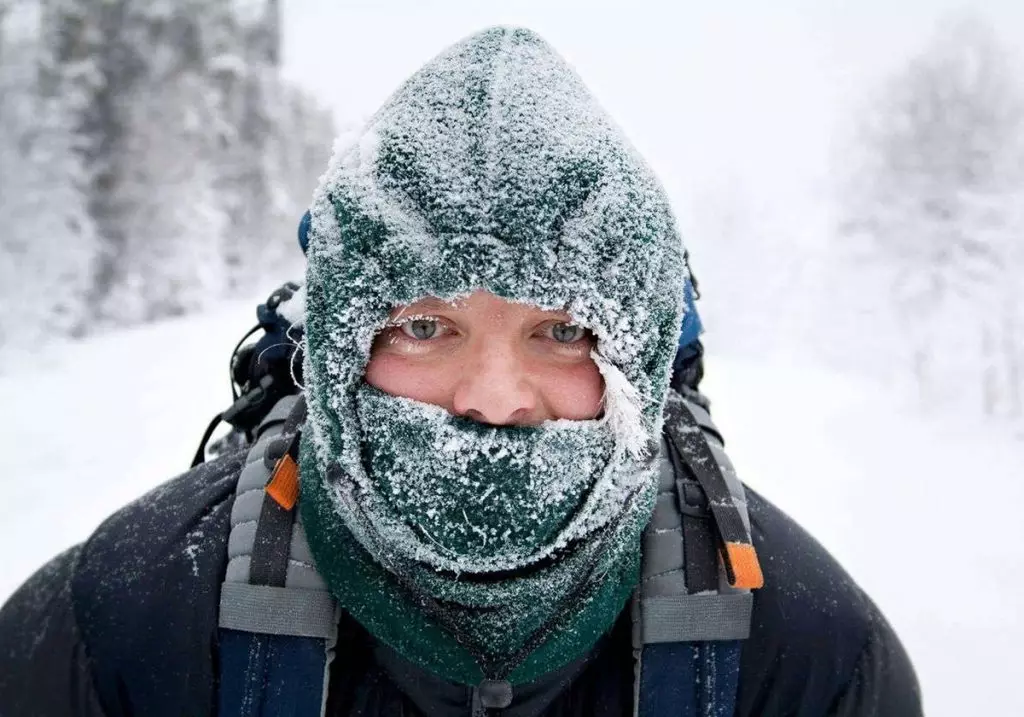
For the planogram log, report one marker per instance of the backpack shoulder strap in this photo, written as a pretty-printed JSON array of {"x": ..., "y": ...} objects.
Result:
[
  {"x": 705, "y": 462},
  {"x": 277, "y": 622},
  {"x": 693, "y": 607}
]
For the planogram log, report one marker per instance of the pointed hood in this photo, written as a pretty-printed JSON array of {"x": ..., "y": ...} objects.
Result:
[{"x": 494, "y": 168}]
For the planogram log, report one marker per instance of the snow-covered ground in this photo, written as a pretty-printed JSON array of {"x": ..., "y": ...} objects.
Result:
[{"x": 922, "y": 510}]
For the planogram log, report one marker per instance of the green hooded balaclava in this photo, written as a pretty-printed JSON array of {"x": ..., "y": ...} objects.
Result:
[{"x": 480, "y": 551}]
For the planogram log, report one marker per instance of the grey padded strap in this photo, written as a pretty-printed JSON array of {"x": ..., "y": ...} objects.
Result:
[
  {"x": 302, "y": 607},
  {"x": 277, "y": 611},
  {"x": 696, "y": 617},
  {"x": 249, "y": 495}
]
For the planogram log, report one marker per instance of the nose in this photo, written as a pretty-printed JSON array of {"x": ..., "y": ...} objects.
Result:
[{"x": 495, "y": 389}]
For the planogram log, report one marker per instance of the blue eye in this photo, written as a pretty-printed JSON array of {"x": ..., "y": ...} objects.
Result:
[
  {"x": 567, "y": 333},
  {"x": 421, "y": 329}
]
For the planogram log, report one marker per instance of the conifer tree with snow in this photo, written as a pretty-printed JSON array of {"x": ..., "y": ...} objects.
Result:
[
  {"x": 48, "y": 242},
  {"x": 153, "y": 158}
]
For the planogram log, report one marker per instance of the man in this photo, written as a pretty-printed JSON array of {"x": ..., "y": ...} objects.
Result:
[{"x": 494, "y": 506}]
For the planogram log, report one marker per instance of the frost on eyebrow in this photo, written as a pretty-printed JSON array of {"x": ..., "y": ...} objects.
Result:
[
  {"x": 430, "y": 307},
  {"x": 403, "y": 319},
  {"x": 430, "y": 303}
]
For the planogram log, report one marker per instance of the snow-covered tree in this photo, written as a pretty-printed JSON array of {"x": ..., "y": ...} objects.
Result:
[
  {"x": 151, "y": 159},
  {"x": 47, "y": 235},
  {"x": 170, "y": 261},
  {"x": 936, "y": 191}
]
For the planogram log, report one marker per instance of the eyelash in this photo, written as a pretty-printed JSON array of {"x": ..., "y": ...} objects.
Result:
[
  {"x": 398, "y": 323},
  {"x": 549, "y": 328}
]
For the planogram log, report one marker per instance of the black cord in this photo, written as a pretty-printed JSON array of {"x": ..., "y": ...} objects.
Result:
[
  {"x": 200, "y": 456},
  {"x": 231, "y": 361}
]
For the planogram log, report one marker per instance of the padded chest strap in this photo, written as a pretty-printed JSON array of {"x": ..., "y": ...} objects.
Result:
[{"x": 278, "y": 622}]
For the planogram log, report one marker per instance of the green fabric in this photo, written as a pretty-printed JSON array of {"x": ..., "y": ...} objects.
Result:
[
  {"x": 491, "y": 168},
  {"x": 489, "y": 498},
  {"x": 481, "y": 645}
]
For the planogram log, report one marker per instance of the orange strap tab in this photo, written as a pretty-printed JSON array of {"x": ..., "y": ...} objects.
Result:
[
  {"x": 746, "y": 568},
  {"x": 283, "y": 486}
]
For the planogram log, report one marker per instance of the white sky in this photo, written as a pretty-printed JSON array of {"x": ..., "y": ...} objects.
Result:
[{"x": 747, "y": 95}]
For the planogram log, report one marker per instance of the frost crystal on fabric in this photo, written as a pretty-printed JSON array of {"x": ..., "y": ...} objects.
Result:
[
  {"x": 492, "y": 168},
  {"x": 477, "y": 498}
]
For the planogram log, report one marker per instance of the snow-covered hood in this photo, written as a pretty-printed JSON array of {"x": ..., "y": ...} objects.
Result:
[{"x": 494, "y": 168}]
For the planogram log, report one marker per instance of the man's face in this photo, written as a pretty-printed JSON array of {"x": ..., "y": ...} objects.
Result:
[{"x": 488, "y": 359}]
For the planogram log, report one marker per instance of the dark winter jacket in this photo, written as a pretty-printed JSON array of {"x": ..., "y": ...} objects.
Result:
[{"x": 126, "y": 624}]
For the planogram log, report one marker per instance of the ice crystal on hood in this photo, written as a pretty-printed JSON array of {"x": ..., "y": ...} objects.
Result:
[
  {"x": 493, "y": 168},
  {"x": 427, "y": 472}
]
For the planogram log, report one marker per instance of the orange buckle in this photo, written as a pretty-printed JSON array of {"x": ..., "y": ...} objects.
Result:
[{"x": 283, "y": 486}]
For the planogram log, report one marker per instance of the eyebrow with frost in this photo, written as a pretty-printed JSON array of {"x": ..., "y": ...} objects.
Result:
[{"x": 489, "y": 359}]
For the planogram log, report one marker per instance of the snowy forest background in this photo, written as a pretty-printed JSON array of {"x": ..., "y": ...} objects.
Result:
[
  {"x": 152, "y": 159},
  {"x": 911, "y": 265}
]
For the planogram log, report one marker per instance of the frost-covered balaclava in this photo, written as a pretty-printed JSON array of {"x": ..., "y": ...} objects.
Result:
[{"x": 481, "y": 551}]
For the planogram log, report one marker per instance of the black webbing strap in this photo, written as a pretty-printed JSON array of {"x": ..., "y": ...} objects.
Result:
[
  {"x": 701, "y": 553},
  {"x": 688, "y": 438},
  {"x": 269, "y": 562},
  {"x": 700, "y": 548}
]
